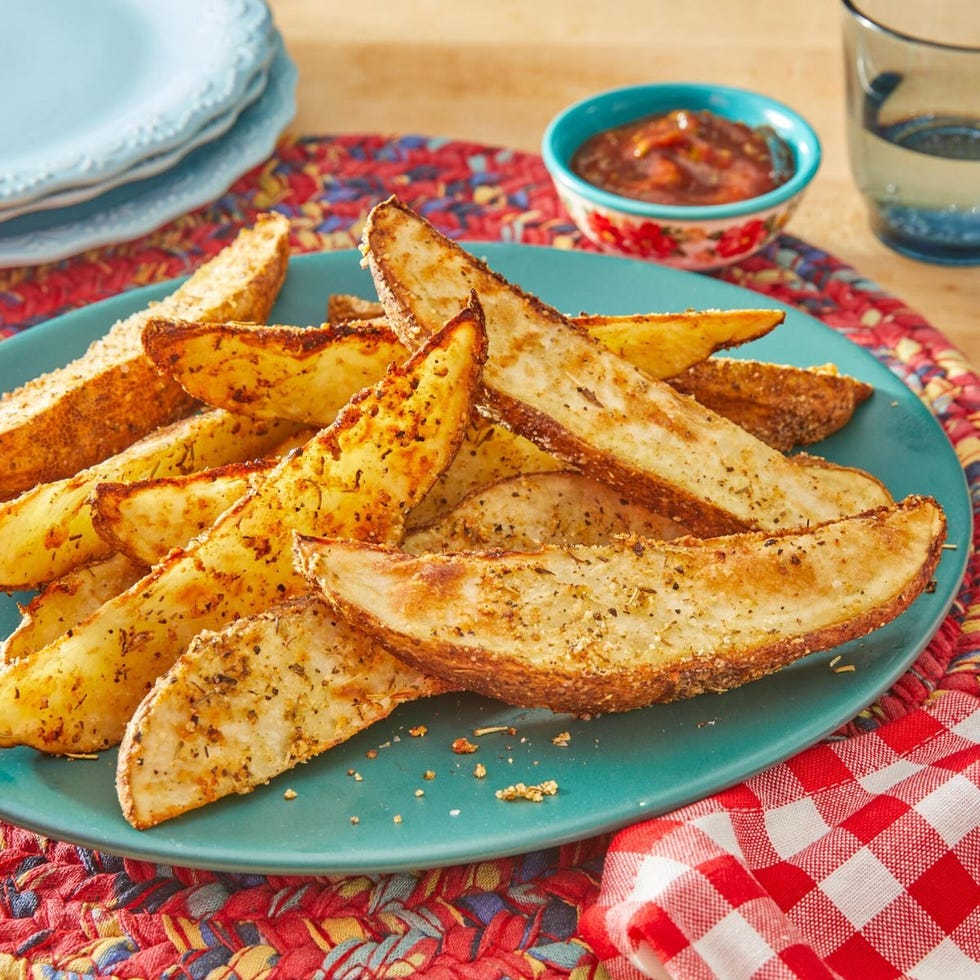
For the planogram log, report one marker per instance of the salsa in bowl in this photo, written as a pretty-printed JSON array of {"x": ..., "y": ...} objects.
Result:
[{"x": 689, "y": 175}]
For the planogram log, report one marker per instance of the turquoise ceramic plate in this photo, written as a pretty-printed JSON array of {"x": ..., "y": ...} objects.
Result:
[
  {"x": 93, "y": 88},
  {"x": 615, "y": 770}
]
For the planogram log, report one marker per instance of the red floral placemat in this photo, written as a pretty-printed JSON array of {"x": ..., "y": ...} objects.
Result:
[{"x": 65, "y": 908}]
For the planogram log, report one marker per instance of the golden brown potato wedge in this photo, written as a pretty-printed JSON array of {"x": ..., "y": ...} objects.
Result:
[
  {"x": 523, "y": 512},
  {"x": 664, "y": 344},
  {"x": 307, "y": 373},
  {"x": 48, "y": 529},
  {"x": 357, "y": 477},
  {"x": 783, "y": 406},
  {"x": 618, "y": 626},
  {"x": 73, "y": 417},
  {"x": 553, "y": 383},
  {"x": 68, "y": 600},
  {"x": 343, "y": 307},
  {"x": 303, "y": 373},
  {"x": 145, "y": 519},
  {"x": 297, "y": 673}
]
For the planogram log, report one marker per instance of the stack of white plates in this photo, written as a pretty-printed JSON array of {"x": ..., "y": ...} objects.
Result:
[{"x": 123, "y": 114}]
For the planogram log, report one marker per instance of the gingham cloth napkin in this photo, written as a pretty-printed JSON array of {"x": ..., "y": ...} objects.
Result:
[{"x": 856, "y": 859}]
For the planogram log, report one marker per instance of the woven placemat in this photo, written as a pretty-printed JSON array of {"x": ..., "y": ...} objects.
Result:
[{"x": 68, "y": 911}]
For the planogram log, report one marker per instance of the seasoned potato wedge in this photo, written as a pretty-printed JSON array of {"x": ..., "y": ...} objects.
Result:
[
  {"x": 553, "y": 383},
  {"x": 73, "y": 417},
  {"x": 618, "y": 626},
  {"x": 344, "y": 307},
  {"x": 783, "y": 406},
  {"x": 66, "y": 601},
  {"x": 48, "y": 529},
  {"x": 523, "y": 512},
  {"x": 302, "y": 373},
  {"x": 307, "y": 373},
  {"x": 297, "y": 673},
  {"x": 78, "y": 693},
  {"x": 144, "y": 519},
  {"x": 664, "y": 344}
]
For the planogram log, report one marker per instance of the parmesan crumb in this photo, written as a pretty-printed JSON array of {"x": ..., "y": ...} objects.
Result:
[
  {"x": 420, "y": 792},
  {"x": 428, "y": 774},
  {"x": 397, "y": 818},
  {"x": 355, "y": 820},
  {"x": 521, "y": 791},
  {"x": 480, "y": 770},
  {"x": 290, "y": 794},
  {"x": 418, "y": 731},
  {"x": 463, "y": 746},
  {"x": 562, "y": 739}
]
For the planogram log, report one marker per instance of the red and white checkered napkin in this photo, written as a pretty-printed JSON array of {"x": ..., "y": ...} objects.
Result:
[{"x": 855, "y": 859}]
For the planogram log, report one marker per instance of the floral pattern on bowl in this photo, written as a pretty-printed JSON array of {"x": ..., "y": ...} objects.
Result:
[{"x": 698, "y": 246}]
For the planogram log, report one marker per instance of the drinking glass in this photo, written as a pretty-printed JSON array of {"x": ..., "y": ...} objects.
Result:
[{"x": 912, "y": 70}]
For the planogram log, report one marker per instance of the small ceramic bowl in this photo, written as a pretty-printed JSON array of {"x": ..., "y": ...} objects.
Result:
[{"x": 698, "y": 238}]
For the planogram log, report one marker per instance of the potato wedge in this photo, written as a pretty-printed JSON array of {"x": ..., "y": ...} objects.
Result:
[
  {"x": 301, "y": 373},
  {"x": 73, "y": 417},
  {"x": 48, "y": 529},
  {"x": 664, "y": 344},
  {"x": 307, "y": 373},
  {"x": 344, "y": 307},
  {"x": 676, "y": 341},
  {"x": 297, "y": 673},
  {"x": 78, "y": 693},
  {"x": 627, "y": 624},
  {"x": 523, "y": 512},
  {"x": 783, "y": 406},
  {"x": 555, "y": 384},
  {"x": 65, "y": 602},
  {"x": 144, "y": 519}
]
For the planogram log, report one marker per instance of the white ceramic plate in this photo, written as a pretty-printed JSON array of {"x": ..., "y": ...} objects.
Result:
[
  {"x": 93, "y": 87},
  {"x": 135, "y": 209}
]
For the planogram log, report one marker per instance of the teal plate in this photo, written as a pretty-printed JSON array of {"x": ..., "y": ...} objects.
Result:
[{"x": 614, "y": 770}]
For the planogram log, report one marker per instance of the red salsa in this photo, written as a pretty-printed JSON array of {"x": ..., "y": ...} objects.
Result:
[{"x": 683, "y": 157}]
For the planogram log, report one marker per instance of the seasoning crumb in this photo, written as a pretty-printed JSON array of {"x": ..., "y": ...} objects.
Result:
[
  {"x": 355, "y": 820},
  {"x": 418, "y": 731},
  {"x": 397, "y": 818},
  {"x": 428, "y": 774},
  {"x": 290, "y": 794},
  {"x": 463, "y": 746},
  {"x": 521, "y": 791},
  {"x": 480, "y": 770},
  {"x": 83, "y": 756},
  {"x": 494, "y": 729},
  {"x": 562, "y": 739},
  {"x": 372, "y": 753},
  {"x": 845, "y": 669}
]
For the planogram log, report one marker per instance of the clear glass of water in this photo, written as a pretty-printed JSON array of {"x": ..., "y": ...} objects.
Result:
[{"x": 912, "y": 70}]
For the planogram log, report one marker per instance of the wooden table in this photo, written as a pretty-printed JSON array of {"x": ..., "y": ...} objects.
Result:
[{"x": 498, "y": 70}]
